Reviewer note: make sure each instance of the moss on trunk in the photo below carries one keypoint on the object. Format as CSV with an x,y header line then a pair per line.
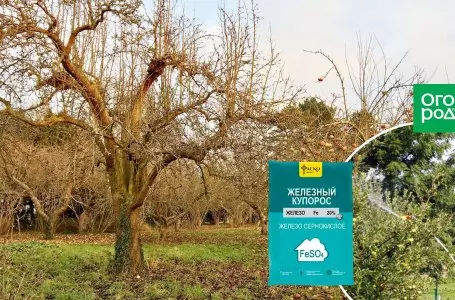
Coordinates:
x,y
128,257
49,230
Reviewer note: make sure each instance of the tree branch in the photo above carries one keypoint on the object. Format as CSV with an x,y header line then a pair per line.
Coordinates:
x,y
341,79
170,116
60,118
53,23
66,196
362,135
80,29
142,194
35,200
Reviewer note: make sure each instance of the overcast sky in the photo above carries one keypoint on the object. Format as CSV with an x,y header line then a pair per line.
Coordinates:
x,y
424,28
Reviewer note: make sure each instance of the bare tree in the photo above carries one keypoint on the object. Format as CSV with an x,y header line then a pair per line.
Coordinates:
x,y
44,171
151,89
9,203
373,95
243,178
178,192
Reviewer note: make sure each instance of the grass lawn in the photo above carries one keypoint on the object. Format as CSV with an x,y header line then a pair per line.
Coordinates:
x,y
446,290
216,263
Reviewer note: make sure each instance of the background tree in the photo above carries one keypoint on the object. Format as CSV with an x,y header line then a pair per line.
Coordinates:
x,y
380,95
421,164
243,176
44,168
395,258
180,193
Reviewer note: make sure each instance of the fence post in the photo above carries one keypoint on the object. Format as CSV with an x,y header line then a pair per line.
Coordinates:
x,y
436,297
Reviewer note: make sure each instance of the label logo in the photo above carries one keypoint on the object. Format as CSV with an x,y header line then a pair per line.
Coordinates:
x,y
310,169
311,250
434,108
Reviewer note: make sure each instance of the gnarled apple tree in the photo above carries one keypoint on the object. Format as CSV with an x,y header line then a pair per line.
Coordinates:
x,y
149,85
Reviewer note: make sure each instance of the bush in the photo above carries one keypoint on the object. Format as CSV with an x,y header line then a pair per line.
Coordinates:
x,y
395,258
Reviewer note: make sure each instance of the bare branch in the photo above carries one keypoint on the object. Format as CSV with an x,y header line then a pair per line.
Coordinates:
x,y
82,28
340,78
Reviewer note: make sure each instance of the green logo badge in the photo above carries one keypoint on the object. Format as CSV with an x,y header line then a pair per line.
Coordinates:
x,y
434,108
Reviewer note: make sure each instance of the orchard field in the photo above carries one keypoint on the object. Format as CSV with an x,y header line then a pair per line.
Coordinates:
x,y
134,149
215,262
211,263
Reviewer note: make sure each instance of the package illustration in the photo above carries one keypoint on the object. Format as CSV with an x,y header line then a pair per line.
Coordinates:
x,y
310,223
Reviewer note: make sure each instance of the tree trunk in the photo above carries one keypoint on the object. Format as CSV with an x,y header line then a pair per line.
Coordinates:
x,y
262,217
83,221
237,218
129,257
263,223
162,231
129,188
178,224
6,223
216,218
49,228
196,218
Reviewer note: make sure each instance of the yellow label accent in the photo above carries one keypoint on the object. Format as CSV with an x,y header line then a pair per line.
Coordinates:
x,y
310,169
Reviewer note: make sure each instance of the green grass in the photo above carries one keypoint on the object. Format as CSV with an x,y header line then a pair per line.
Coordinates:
x,y
446,291
198,252
208,264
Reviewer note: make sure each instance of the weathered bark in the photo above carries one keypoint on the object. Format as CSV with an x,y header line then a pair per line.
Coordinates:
x,y
178,224
216,218
6,224
129,190
123,178
83,221
136,254
129,257
263,222
49,229
129,187
196,217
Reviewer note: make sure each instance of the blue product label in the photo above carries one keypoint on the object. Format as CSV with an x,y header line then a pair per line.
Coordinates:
x,y
310,223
